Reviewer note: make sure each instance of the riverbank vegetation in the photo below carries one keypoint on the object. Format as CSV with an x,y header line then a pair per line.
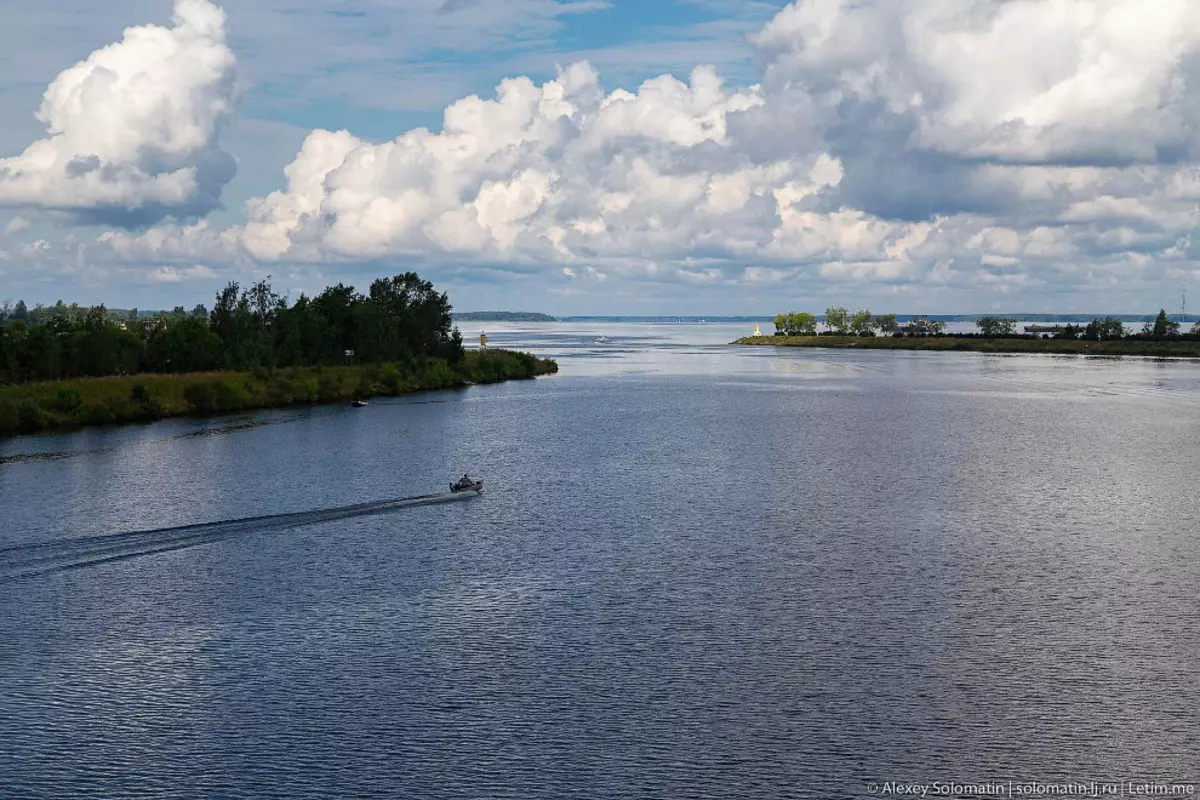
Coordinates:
x,y
66,366
44,405
1100,336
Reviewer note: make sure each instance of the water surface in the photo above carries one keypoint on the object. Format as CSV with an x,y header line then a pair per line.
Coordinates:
x,y
698,571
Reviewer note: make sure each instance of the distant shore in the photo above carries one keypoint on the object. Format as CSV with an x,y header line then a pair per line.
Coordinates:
x,y
48,405
502,316
1115,347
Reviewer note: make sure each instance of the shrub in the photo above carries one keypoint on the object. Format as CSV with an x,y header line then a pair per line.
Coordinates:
x,y
285,391
146,404
328,388
29,416
68,400
9,417
202,397
98,414
231,394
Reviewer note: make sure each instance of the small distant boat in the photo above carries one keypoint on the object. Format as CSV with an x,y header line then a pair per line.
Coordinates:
x,y
602,339
359,404
460,487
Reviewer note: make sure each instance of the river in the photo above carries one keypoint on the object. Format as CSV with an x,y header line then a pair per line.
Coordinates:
x,y
697,571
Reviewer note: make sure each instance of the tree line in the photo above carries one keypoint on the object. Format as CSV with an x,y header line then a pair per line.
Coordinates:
x,y
399,319
1163,328
842,322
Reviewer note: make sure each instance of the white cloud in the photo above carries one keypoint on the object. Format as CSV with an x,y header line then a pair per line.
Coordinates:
x,y
1022,80
175,275
893,146
766,274
542,173
16,225
175,242
132,130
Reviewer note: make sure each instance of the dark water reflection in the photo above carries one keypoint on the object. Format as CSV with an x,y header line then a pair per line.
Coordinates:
x,y
698,573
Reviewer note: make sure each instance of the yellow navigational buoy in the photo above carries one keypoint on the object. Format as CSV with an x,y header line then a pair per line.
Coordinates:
x,y
757,332
483,340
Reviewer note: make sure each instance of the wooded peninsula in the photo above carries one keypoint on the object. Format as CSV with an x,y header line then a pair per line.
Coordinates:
x,y
1101,336
64,366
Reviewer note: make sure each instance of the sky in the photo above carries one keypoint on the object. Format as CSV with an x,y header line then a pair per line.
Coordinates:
x,y
606,156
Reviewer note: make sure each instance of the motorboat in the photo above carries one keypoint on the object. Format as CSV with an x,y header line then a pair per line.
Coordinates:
x,y
460,487
359,404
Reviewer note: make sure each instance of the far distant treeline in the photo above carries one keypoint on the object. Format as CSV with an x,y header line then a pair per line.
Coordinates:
x,y
399,319
503,316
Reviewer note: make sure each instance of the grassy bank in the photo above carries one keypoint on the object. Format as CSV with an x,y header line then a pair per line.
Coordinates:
x,y
1115,347
30,407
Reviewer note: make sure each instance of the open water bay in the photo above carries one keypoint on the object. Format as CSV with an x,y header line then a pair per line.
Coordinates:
x,y
697,571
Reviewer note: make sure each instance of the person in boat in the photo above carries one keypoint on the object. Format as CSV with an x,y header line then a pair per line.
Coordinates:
x,y
466,482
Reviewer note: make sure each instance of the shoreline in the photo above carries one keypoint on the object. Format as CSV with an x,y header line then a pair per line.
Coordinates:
x,y
27,408
961,344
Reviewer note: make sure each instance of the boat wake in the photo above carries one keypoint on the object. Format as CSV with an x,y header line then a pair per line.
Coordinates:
x,y
19,562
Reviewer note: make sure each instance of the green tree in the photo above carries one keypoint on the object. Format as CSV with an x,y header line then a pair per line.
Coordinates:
x,y
185,345
1106,328
1164,327
804,323
862,323
797,323
335,305
885,323
997,326
838,319
1069,332
20,312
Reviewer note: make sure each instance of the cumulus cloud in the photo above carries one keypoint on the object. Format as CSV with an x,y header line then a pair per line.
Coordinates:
x,y
561,171
1018,80
897,145
175,275
889,142
132,131
16,225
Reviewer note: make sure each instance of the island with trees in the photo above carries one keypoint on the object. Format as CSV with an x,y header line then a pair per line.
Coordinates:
x,y
64,365
1100,336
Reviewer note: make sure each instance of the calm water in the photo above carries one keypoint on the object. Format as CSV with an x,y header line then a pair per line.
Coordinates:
x,y
699,571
